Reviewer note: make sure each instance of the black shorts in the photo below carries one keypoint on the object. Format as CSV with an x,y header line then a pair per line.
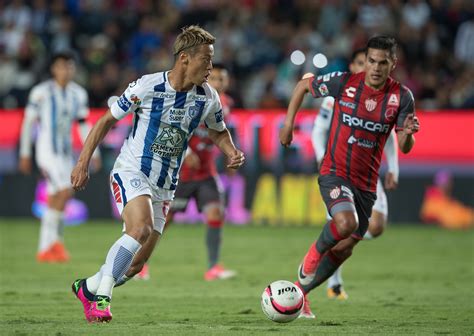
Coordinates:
x,y
204,192
340,195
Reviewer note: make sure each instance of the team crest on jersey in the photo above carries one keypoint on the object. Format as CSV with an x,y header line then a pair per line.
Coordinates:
x,y
323,90
390,113
135,182
193,111
370,104
135,100
335,192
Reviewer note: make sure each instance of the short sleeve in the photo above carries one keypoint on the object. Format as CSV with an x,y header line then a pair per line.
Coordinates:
x,y
82,104
35,99
327,85
407,106
130,100
215,117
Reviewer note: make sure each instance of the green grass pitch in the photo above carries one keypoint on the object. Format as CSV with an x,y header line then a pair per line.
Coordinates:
x,y
413,280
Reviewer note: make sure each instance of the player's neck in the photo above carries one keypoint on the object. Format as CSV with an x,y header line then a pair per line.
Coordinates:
x,y
375,87
61,84
178,81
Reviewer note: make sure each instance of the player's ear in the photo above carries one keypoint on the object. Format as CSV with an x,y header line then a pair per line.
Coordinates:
x,y
184,57
394,65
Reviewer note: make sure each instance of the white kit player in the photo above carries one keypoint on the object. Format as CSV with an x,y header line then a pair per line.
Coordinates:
x,y
378,219
56,104
167,107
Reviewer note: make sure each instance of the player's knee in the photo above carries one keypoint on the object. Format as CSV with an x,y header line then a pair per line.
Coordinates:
x,y
214,216
346,225
377,226
376,230
142,232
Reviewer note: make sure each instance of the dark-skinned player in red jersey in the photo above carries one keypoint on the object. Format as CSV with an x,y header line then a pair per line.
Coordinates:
x,y
367,106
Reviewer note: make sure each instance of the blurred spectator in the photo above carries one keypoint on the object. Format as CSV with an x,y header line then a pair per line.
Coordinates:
x,y
440,207
118,38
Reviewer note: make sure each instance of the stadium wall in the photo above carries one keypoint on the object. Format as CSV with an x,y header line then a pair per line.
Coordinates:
x,y
279,185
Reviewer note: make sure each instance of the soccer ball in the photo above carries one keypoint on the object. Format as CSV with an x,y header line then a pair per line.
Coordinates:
x,y
282,301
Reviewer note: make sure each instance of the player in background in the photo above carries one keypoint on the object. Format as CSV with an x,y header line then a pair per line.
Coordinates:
x,y
199,180
378,218
168,107
55,104
366,108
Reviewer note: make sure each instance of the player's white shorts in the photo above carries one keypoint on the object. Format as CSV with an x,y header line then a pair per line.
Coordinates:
x,y
126,185
381,204
57,170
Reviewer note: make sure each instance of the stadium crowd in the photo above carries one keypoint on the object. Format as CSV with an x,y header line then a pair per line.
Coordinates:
x,y
115,41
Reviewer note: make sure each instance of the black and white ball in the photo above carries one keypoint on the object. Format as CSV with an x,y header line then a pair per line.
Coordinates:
x,y
282,301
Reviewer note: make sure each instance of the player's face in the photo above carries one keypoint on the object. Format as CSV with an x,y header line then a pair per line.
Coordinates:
x,y
200,64
378,66
219,79
358,64
63,70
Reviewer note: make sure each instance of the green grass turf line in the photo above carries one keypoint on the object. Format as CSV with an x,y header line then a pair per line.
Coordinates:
x,y
414,280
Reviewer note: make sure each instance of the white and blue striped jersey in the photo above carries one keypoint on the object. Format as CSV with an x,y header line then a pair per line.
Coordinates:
x,y
164,120
56,109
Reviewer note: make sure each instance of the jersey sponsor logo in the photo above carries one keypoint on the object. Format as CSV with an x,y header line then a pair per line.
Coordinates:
x,y
135,100
123,103
366,143
370,104
367,125
350,91
334,193
135,182
177,114
328,76
393,100
197,97
346,192
169,141
323,90
347,104
390,113
164,95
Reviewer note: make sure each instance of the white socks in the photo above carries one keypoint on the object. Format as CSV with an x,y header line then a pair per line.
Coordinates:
x,y
335,279
117,263
51,225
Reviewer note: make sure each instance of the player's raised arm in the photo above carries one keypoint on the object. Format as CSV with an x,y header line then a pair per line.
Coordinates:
x,y
286,132
319,87
80,173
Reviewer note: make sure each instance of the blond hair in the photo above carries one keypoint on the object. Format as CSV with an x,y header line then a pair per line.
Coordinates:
x,y
191,37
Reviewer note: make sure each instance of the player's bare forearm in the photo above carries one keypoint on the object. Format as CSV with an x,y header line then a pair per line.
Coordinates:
x,y
405,142
296,100
223,140
95,136
286,132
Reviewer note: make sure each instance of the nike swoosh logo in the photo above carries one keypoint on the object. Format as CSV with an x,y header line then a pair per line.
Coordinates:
x,y
302,276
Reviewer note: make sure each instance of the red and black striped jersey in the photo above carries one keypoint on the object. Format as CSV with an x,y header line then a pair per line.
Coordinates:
x,y
362,120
